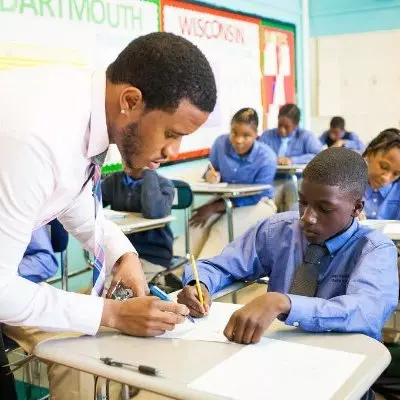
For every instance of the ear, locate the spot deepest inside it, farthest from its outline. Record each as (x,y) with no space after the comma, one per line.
(358,207)
(131,99)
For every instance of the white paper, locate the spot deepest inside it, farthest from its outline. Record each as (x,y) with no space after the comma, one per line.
(270,60)
(211,185)
(392,228)
(208,329)
(284,60)
(261,371)
(279,91)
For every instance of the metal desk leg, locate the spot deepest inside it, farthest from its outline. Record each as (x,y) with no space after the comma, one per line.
(229,216)
(295,187)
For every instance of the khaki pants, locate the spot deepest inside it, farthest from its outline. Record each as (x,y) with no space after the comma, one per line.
(209,240)
(285,197)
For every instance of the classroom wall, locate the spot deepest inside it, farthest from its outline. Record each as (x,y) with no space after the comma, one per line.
(354,59)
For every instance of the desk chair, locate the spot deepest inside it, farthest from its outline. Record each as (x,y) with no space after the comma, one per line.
(183,201)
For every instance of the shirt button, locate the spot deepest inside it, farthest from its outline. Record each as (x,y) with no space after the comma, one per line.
(296,324)
(373,213)
(375,200)
(235,169)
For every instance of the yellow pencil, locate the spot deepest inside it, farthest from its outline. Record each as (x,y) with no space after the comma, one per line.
(196,276)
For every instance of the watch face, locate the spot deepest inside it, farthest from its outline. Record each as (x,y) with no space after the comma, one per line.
(121,293)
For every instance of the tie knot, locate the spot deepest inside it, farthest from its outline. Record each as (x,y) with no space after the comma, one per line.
(99,158)
(315,252)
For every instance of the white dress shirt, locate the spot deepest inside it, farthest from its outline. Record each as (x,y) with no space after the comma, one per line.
(52,121)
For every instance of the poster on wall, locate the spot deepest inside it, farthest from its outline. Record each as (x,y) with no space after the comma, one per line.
(74,33)
(231,43)
(278,69)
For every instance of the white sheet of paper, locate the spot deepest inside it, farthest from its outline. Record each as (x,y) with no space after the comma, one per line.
(261,371)
(211,185)
(284,60)
(279,91)
(270,60)
(209,329)
(391,228)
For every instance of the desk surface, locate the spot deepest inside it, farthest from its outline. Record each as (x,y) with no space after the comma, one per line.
(130,222)
(390,228)
(180,361)
(291,168)
(230,190)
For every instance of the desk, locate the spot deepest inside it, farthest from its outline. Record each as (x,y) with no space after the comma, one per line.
(292,170)
(131,222)
(390,228)
(182,361)
(227,193)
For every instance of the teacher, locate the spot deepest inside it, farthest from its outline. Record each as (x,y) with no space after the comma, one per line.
(55,127)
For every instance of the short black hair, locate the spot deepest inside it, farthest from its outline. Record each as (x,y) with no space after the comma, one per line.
(167,69)
(247,115)
(290,111)
(385,141)
(338,166)
(338,123)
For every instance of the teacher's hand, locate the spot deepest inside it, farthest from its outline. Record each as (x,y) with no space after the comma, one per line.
(128,271)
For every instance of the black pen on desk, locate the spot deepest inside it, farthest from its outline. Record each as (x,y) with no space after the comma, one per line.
(156,291)
(143,369)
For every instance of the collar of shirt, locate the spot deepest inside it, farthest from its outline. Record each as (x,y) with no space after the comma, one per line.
(337,242)
(98,141)
(383,191)
(131,182)
(250,157)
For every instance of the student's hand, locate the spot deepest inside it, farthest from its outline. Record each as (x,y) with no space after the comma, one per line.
(284,161)
(338,143)
(129,272)
(213,177)
(189,296)
(249,323)
(143,316)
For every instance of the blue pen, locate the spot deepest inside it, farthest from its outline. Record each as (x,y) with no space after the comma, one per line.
(156,291)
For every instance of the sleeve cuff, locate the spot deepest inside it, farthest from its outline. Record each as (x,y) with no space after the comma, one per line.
(188,277)
(302,309)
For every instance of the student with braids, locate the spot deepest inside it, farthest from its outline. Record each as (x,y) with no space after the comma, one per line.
(292,145)
(237,157)
(382,197)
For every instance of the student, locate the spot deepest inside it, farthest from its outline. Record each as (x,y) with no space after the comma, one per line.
(237,157)
(39,262)
(337,136)
(382,197)
(327,272)
(292,145)
(144,191)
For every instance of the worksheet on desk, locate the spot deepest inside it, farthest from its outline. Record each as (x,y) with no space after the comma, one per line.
(209,329)
(274,369)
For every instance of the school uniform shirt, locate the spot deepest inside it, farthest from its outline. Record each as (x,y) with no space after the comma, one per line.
(357,284)
(351,141)
(39,262)
(301,148)
(152,195)
(257,167)
(383,203)
(52,122)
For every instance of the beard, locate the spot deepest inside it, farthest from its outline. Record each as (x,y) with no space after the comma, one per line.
(131,144)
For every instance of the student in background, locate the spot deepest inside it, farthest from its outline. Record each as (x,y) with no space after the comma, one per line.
(382,196)
(337,136)
(322,264)
(39,262)
(292,145)
(144,191)
(237,157)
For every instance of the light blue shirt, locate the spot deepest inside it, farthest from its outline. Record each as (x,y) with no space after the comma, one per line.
(302,147)
(357,285)
(39,262)
(351,141)
(257,167)
(383,203)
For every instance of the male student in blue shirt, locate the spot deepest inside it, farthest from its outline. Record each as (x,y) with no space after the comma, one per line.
(326,271)
(39,262)
(337,136)
(292,145)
